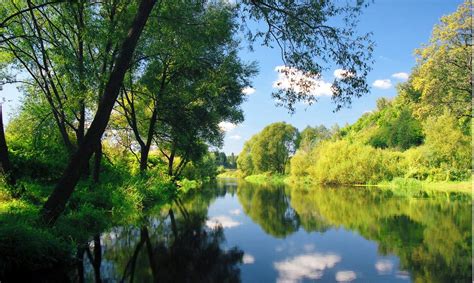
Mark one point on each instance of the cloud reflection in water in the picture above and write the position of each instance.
(310, 266)
(223, 221)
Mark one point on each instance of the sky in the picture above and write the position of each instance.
(398, 27)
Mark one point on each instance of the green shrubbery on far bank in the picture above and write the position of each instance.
(420, 137)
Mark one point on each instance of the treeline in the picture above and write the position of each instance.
(423, 133)
(122, 101)
(142, 86)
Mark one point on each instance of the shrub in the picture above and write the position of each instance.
(342, 162)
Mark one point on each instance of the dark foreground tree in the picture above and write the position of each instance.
(314, 36)
(6, 167)
(56, 202)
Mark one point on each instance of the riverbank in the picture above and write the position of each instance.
(400, 186)
(29, 247)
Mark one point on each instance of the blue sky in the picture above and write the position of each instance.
(398, 27)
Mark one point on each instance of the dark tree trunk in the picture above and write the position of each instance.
(56, 202)
(7, 168)
(151, 256)
(80, 263)
(144, 158)
(97, 258)
(97, 161)
(174, 228)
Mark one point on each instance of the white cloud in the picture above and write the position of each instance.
(248, 90)
(248, 259)
(235, 211)
(384, 266)
(227, 126)
(300, 82)
(223, 221)
(235, 137)
(401, 76)
(345, 276)
(340, 74)
(310, 266)
(383, 84)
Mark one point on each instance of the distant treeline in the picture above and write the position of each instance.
(423, 133)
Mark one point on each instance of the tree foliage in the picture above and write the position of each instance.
(269, 150)
(443, 75)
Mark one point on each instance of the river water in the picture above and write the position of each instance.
(234, 231)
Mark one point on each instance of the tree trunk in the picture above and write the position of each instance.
(6, 166)
(144, 158)
(56, 202)
(97, 258)
(80, 263)
(97, 161)
(151, 256)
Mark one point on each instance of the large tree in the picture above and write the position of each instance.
(270, 150)
(443, 75)
(56, 202)
(190, 83)
(304, 32)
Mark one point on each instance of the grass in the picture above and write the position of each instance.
(266, 178)
(28, 246)
(399, 186)
(408, 184)
(230, 173)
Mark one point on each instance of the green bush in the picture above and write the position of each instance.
(342, 162)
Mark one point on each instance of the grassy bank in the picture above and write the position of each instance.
(28, 247)
(399, 186)
(403, 184)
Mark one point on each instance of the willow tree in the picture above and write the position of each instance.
(190, 82)
(56, 202)
(313, 36)
(269, 150)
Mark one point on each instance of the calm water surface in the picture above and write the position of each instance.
(233, 231)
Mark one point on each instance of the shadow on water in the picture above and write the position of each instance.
(172, 246)
(431, 237)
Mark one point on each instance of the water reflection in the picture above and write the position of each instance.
(307, 266)
(423, 240)
(173, 248)
(270, 208)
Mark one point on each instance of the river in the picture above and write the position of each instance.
(233, 231)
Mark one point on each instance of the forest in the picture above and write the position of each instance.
(122, 101)
(421, 134)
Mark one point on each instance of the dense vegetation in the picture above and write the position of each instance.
(121, 101)
(423, 133)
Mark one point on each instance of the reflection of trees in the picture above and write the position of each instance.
(432, 237)
(173, 246)
(270, 208)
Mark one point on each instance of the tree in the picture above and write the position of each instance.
(56, 202)
(244, 161)
(269, 150)
(177, 98)
(310, 44)
(310, 137)
(303, 32)
(449, 148)
(5, 164)
(443, 72)
(397, 128)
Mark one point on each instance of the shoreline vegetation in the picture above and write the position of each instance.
(418, 140)
(400, 186)
(119, 116)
